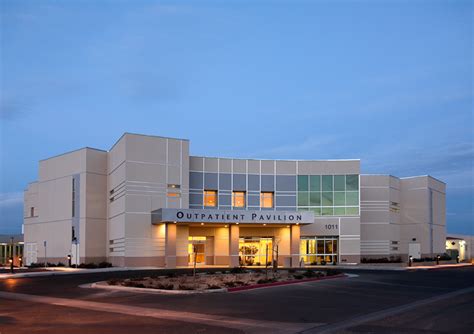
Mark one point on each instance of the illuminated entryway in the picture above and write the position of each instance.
(319, 250)
(196, 250)
(255, 251)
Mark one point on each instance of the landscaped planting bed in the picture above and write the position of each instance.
(236, 278)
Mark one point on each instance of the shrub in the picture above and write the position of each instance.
(332, 272)
(186, 287)
(113, 281)
(88, 265)
(392, 259)
(104, 264)
(213, 287)
(291, 271)
(237, 270)
(165, 286)
(309, 273)
(49, 264)
(298, 276)
(314, 263)
(36, 265)
(263, 281)
(323, 263)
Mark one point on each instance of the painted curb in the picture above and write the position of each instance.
(268, 285)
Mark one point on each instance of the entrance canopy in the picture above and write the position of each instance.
(231, 216)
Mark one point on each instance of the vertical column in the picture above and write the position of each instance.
(295, 245)
(233, 245)
(170, 250)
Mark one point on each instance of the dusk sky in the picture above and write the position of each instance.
(389, 82)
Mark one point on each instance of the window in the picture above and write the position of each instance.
(352, 182)
(266, 199)
(394, 207)
(329, 195)
(73, 213)
(32, 212)
(238, 199)
(303, 182)
(210, 198)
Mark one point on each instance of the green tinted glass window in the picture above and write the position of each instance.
(315, 182)
(303, 198)
(339, 211)
(327, 212)
(303, 209)
(339, 182)
(352, 198)
(327, 182)
(315, 198)
(339, 198)
(352, 210)
(352, 182)
(327, 199)
(302, 182)
(317, 211)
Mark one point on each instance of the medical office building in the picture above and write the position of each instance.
(147, 202)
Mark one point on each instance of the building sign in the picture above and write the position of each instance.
(231, 216)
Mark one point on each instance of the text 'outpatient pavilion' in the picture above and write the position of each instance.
(147, 202)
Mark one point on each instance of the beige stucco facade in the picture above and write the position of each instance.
(402, 214)
(102, 206)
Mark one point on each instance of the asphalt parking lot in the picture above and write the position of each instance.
(437, 301)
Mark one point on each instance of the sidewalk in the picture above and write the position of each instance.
(68, 271)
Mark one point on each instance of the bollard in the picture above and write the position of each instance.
(11, 264)
(410, 260)
(437, 259)
(69, 260)
(457, 259)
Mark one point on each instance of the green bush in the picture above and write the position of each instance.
(298, 276)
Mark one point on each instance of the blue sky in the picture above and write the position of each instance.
(389, 82)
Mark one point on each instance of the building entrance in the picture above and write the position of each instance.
(255, 251)
(196, 250)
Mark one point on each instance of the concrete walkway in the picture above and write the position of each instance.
(68, 271)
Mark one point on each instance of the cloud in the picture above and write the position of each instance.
(11, 199)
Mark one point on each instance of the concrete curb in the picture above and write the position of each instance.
(269, 285)
(105, 286)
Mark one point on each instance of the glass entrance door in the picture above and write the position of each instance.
(196, 250)
(254, 251)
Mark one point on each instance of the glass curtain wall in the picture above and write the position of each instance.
(319, 250)
(329, 195)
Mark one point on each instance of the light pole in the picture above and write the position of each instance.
(410, 260)
(45, 258)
